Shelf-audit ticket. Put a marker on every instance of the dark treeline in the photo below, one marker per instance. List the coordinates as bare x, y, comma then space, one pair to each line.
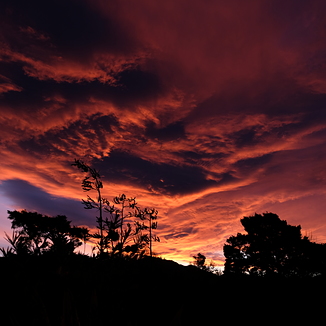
272, 273
273, 248
47, 286
83, 291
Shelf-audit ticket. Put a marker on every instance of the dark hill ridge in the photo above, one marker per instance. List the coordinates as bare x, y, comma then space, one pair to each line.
85, 291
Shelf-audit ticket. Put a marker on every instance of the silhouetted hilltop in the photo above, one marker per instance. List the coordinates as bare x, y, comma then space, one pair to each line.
82, 291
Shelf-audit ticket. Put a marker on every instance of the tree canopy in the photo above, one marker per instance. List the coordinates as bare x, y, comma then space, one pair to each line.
37, 234
271, 246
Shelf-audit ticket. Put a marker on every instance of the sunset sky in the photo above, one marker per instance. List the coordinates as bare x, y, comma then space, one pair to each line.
207, 110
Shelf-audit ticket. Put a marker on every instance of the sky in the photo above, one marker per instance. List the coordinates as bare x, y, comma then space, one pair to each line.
207, 110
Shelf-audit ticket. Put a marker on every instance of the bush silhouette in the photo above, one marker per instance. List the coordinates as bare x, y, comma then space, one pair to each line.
271, 247
37, 234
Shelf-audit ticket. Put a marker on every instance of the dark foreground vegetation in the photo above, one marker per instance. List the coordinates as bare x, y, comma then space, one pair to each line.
273, 274
269, 277
272, 247
150, 291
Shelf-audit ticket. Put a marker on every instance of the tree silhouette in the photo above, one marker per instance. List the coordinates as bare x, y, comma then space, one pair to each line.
37, 234
199, 260
270, 247
122, 227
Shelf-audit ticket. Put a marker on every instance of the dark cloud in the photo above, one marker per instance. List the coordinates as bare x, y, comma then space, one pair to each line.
93, 131
31, 198
33, 91
163, 178
249, 165
138, 83
172, 131
74, 28
176, 235
201, 158
34, 94
245, 137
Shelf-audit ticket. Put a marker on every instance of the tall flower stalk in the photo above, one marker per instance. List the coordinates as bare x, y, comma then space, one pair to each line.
93, 182
148, 215
124, 229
